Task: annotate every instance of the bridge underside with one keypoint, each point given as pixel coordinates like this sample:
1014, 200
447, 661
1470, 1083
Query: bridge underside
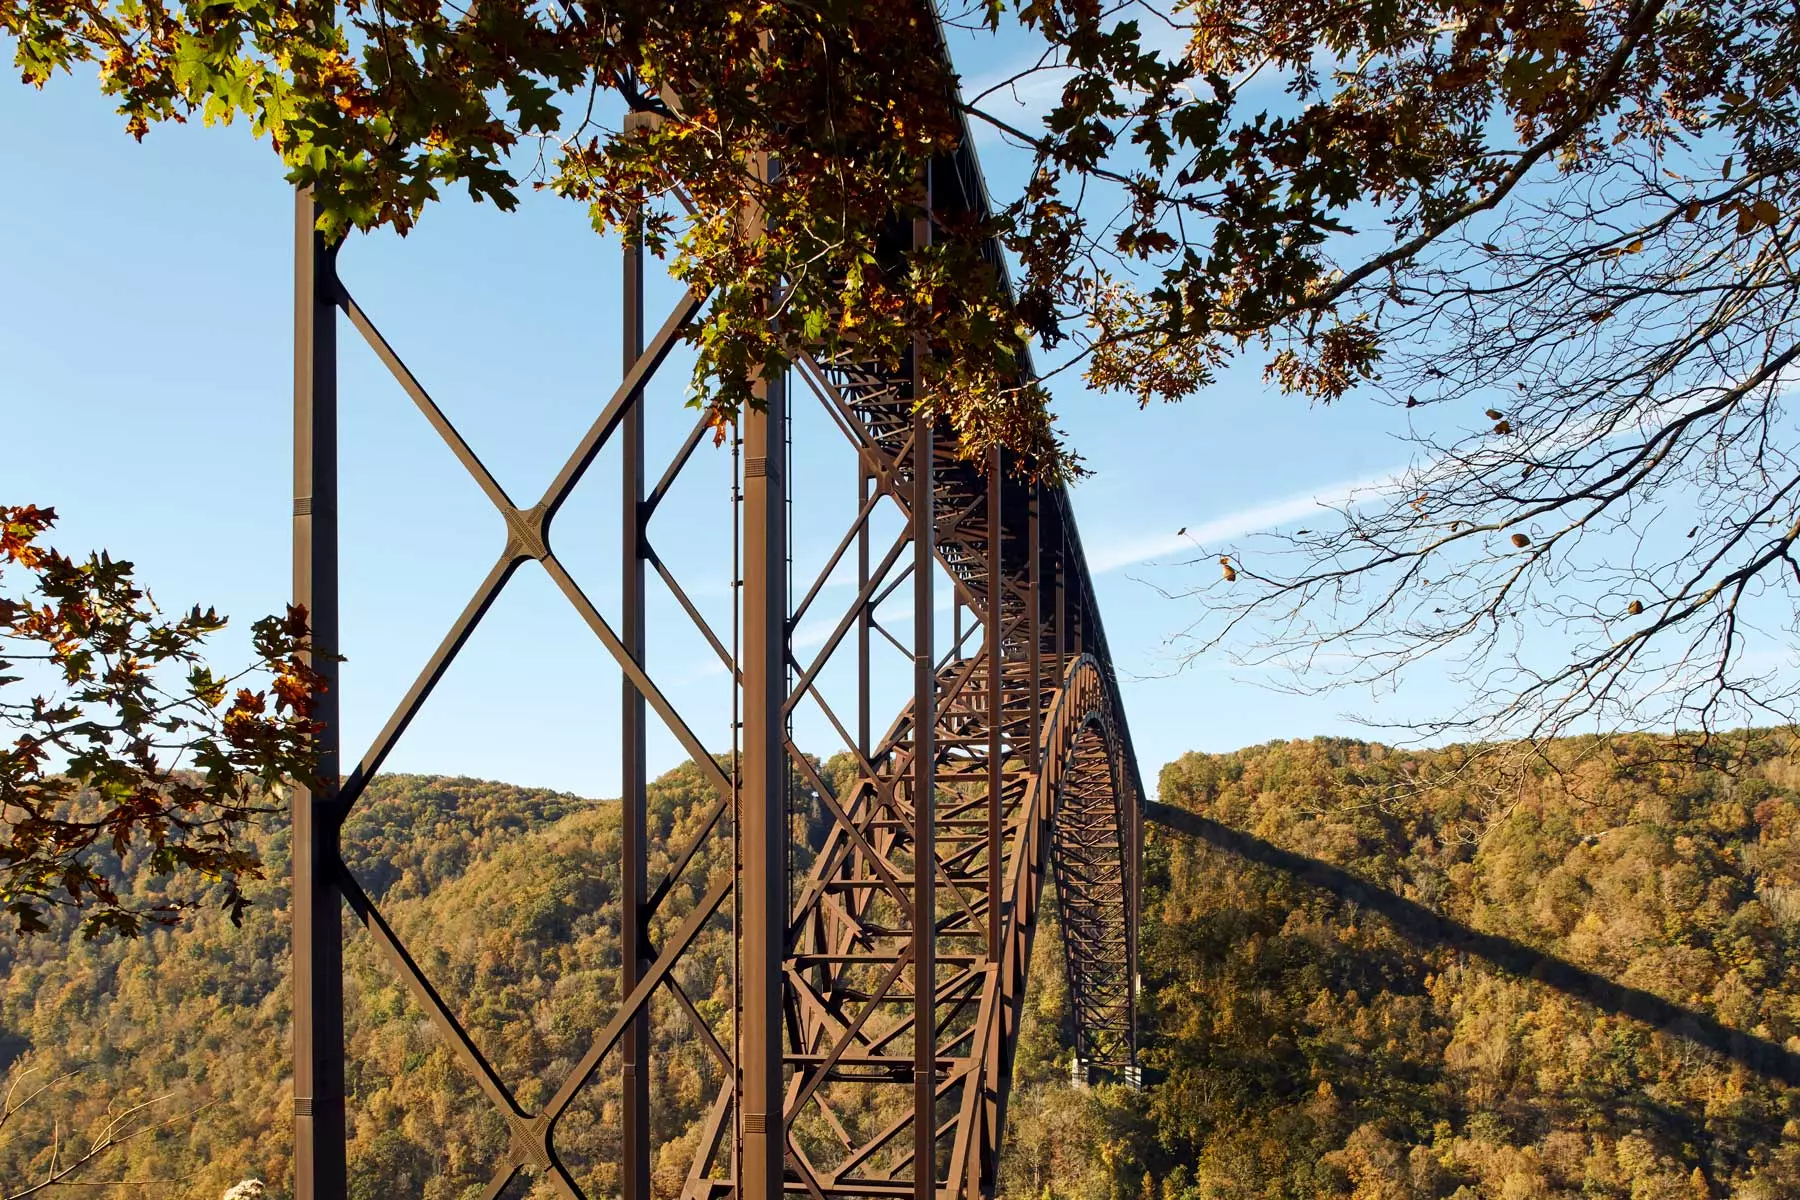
880, 952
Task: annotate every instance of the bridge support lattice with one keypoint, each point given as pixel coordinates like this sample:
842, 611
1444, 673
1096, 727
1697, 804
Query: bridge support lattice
881, 959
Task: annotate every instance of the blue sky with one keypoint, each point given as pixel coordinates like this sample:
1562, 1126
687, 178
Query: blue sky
145, 383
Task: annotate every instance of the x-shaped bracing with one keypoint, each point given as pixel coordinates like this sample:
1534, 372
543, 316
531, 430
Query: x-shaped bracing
528, 538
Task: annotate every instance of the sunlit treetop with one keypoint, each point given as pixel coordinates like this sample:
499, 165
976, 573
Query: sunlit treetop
1242, 141
1287, 165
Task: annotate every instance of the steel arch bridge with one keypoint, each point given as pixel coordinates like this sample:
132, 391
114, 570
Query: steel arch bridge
880, 973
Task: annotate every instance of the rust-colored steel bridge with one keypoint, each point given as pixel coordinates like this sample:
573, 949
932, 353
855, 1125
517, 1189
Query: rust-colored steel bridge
880, 962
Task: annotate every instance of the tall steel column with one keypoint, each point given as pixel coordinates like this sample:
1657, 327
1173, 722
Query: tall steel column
634, 956
1034, 638
318, 937
994, 620
762, 791
924, 773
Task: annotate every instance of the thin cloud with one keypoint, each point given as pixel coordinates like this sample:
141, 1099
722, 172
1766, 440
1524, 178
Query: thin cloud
1113, 553
1130, 551
1025, 88
1035, 94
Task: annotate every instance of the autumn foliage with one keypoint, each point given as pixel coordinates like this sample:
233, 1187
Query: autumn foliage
1302, 1044
123, 741
1211, 177
1299, 1045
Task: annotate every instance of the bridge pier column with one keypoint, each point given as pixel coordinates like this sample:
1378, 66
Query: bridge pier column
762, 793
995, 636
634, 958
1035, 629
924, 776
318, 932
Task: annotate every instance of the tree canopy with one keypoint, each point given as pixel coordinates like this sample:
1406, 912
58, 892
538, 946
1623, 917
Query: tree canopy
1558, 228
128, 743
1299, 1043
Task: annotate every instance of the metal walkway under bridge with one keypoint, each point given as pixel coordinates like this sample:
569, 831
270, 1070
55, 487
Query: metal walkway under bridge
880, 961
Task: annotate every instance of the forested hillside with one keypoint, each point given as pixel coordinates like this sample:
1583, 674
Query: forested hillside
507, 896
1302, 1044
1337, 1004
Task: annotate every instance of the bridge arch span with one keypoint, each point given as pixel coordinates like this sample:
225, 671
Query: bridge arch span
878, 978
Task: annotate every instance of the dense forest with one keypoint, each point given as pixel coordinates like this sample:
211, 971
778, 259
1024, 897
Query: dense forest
1368, 973
1385, 975
507, 897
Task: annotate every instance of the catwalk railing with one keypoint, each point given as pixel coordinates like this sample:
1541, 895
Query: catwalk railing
881, 960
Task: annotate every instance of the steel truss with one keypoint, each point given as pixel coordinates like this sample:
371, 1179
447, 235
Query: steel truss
880, 982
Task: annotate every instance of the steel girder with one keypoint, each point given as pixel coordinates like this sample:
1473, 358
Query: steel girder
1028, 769
880, 980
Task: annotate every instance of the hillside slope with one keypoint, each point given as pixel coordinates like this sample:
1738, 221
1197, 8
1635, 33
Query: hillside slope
1337, 1000
507, 896
1472, 1025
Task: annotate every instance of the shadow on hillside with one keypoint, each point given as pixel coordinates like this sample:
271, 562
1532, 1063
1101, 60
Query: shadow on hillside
1426, 927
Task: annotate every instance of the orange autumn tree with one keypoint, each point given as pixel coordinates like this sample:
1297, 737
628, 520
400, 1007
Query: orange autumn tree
123, 748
